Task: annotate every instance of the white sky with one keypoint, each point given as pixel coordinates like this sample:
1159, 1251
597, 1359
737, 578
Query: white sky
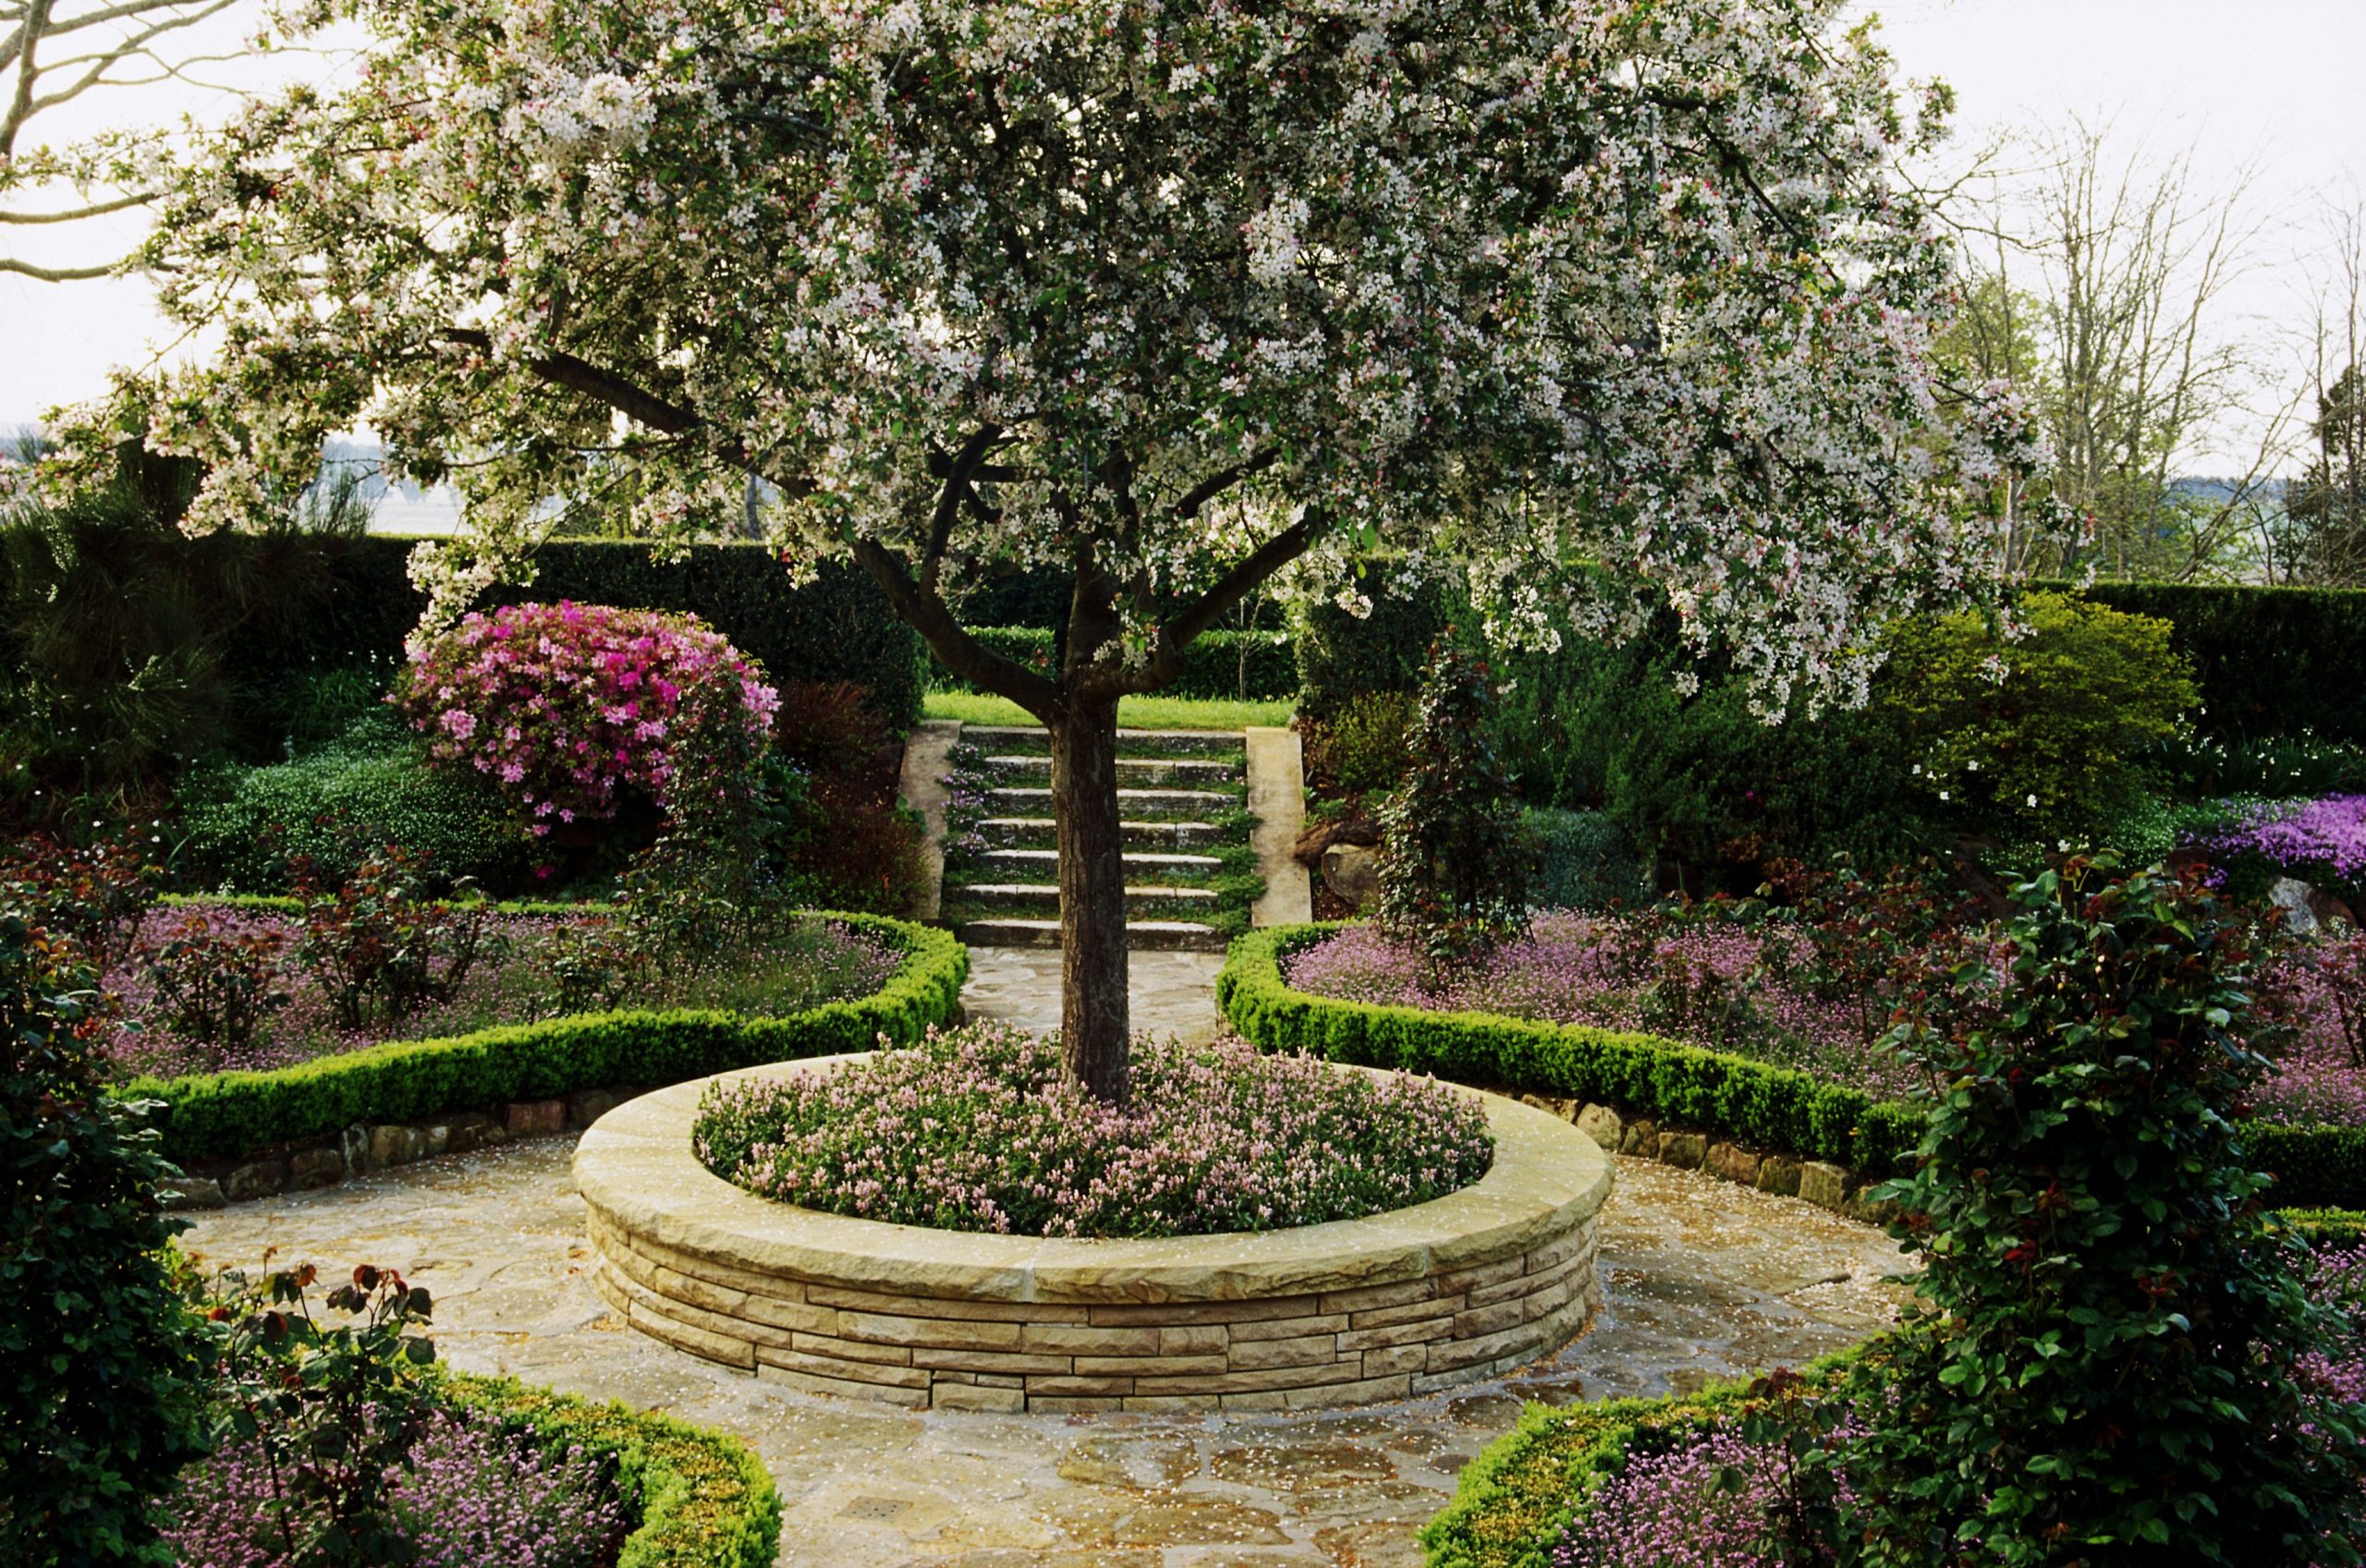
2271, 81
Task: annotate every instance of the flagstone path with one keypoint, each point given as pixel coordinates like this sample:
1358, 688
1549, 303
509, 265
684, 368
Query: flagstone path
1705, 1279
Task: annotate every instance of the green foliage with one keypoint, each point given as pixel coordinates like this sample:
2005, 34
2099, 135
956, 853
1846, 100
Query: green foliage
706, 1500
374, 787
1364, 746
380, 946
1584, 860
1342, 654
333, 1405
1453, 859
218, 1115
2268, 660
101, 1366
2055, 746
2110, 1358
2278, 767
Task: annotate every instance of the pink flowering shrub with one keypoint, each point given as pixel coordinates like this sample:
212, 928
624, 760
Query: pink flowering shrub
984, 1129
567, 706
1702, 1503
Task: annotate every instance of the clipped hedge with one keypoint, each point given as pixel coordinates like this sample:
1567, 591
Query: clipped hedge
838, 628
1772, 1107
2269, 661
706, 1500
1216, 665
216, 1115
1752, 1101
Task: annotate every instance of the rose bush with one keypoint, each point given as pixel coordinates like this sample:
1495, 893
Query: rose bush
567, 706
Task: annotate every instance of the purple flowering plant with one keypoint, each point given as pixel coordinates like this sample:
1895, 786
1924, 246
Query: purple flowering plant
567, 705
983, 1128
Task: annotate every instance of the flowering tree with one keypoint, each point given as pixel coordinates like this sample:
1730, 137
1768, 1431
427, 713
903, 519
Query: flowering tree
1610, 302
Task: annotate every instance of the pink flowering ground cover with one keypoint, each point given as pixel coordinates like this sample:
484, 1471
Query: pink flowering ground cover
814, 962
470, 1495
1720, 986
982, 1129
567, 705
1712, 1498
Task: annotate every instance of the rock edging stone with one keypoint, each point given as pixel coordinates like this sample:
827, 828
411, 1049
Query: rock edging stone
1457, 1290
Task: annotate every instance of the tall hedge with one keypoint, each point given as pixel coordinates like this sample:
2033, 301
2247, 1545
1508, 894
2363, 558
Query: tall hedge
1255, 666
2269, 661
838, 628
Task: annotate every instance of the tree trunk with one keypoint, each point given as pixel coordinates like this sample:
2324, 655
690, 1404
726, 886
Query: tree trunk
1093, 1021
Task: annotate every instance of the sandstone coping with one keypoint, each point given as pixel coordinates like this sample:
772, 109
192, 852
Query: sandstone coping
1456, 1290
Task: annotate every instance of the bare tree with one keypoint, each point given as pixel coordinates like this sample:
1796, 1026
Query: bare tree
2100, 282
91, 54
2321, 534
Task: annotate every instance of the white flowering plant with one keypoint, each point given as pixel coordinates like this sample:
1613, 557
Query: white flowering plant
1608, 304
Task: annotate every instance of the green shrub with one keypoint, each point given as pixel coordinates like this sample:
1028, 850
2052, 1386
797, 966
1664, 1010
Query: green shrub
2055, 747
1364, 746
2113, 1346
374, 787
101, 1366
1341, 654
1584, 860
706, 1500
215, 1115
1247, 665
1453, 860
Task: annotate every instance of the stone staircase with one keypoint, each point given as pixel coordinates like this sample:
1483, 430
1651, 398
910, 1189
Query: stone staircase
1183, 795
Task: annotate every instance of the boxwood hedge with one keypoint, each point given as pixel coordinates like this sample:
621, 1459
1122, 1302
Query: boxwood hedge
215, 1115
705, 1498
1750, 1101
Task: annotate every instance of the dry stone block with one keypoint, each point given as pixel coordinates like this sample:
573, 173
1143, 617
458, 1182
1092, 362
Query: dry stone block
1641, 1138
314, 1168
472, 1130
534, 1118
256, 1178
396, 1144
1683, 1151
964, 1397
1604, 1126
197, 1191
585, 1106
1824, 1184
1779, 1173
1733, 1164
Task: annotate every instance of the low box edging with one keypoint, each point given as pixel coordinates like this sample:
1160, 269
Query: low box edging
706, 1499
1735, 1097
222, 1115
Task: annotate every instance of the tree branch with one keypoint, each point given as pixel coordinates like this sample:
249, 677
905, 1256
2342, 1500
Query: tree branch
1167, 659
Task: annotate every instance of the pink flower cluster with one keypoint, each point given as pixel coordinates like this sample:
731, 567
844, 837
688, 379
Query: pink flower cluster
567, 704
1703, 1503
2329, 832
983, 1129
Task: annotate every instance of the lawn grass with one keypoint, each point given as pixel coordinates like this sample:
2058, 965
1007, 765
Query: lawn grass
1133, 713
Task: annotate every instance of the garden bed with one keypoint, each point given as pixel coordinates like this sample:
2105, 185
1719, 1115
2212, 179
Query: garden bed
330, 1105
1429, 1296
1766, 1106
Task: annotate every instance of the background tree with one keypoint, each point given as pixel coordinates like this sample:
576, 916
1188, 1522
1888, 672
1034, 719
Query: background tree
1615, 308
2327, 502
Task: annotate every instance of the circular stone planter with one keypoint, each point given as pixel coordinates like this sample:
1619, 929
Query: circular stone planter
1462, 1288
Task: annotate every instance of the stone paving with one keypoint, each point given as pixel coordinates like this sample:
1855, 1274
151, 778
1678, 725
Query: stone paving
1704, 1279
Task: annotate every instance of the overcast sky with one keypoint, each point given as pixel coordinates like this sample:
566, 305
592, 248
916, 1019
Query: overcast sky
2275, 82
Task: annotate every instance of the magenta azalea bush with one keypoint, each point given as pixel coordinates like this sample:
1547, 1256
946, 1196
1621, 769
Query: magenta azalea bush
469, 1494
983, 1128
567, 705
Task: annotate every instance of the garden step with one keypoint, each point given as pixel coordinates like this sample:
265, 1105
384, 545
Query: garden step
1130, 743
1140, 935
1023, 860
1138, 897
1034, 802
1132, 770
1016, 830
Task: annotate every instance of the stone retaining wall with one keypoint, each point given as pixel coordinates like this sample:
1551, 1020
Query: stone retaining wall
1462, 1289
1819, 1181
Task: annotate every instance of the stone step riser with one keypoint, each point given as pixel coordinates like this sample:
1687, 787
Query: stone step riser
1018, 833
1142, 936
1043, 899
1135, 805
1152, 864
1228, 744
1136, 771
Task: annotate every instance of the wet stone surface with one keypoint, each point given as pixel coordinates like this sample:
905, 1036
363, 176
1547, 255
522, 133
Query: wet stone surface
1704, 1279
